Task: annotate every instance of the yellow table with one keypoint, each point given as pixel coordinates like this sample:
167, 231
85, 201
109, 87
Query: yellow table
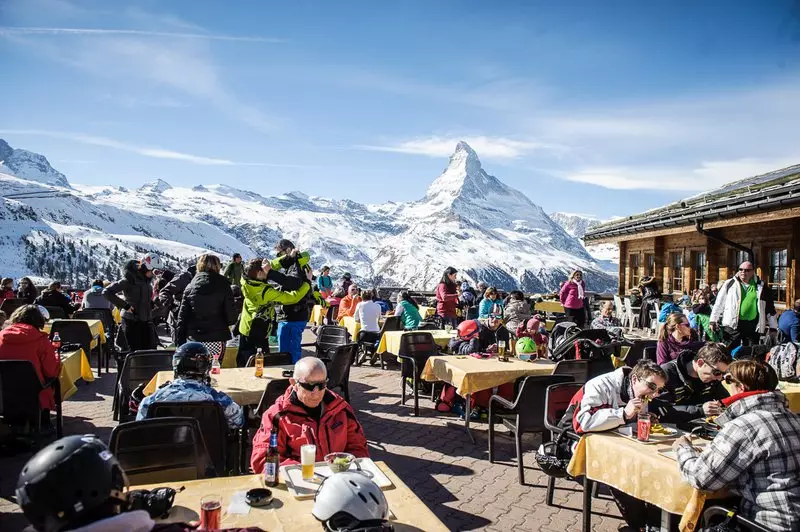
95, 326
390, 341
241, 384
792, 393
318, 315
353, 327
427, 312
549, 306
469, 374
643, 473
286, 513
74, 366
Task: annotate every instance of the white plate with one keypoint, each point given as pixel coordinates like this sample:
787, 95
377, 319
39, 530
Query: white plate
305, 489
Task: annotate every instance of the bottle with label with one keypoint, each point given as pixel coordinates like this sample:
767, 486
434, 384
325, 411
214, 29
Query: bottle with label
215, 367
259, 363
643, 424
272, 462
56, 341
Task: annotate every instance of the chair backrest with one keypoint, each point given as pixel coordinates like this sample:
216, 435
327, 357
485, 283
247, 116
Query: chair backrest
330, 337
339, 366
168, 449
19, 390
139, 367
275, 388
73, 332
557, 401
579, 369
10, 305
392, 323
650, 353
628, 306
213, 426
530, 403
56, 312
636, 352
271, 359
618, 307
102, 314
417, 345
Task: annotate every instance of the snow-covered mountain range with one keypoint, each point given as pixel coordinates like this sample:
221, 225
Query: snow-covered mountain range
467, 219
576, 225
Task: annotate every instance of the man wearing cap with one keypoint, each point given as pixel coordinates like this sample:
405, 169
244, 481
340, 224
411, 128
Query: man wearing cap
477, 337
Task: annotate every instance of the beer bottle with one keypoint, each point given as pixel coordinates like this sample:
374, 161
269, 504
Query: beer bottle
272, 462
259, 363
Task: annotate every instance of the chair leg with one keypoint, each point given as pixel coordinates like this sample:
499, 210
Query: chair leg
551, 490
416, 395
491, 434
402, 388
520, 465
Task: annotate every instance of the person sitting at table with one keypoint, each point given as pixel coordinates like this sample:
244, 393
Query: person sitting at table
606, 320
93, 297
789, 322
309, 413
535, 329
53, 296
754, 455
517, 311
674, 337
368, 314
491, 299
476, 337
27, 291
609, 401
408, 309
694, 382
347, 306
700, 318
24, 340
192, 366
7, 289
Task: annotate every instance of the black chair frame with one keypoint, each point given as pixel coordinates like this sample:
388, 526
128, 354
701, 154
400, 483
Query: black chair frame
415, 350
19, 393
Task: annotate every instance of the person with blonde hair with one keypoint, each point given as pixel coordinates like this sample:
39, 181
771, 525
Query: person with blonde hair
207, 310
675, 336
754, 455
573, 297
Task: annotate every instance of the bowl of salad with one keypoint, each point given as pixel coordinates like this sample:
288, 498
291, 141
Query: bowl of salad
339, 462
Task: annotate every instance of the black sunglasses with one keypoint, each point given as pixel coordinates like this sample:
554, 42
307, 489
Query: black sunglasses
313, 386
745, 269
654, 387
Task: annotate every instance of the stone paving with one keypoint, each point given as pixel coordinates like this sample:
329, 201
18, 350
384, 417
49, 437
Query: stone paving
432, 454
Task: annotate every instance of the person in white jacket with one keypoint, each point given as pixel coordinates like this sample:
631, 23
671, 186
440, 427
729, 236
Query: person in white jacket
745, 304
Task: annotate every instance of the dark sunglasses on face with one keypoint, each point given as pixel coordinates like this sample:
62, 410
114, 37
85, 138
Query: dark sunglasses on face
728, 379
313, 386
653, 387
745, 269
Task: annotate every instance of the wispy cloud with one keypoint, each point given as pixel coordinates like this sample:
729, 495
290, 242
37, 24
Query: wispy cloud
28, 30
145, 151
489, 147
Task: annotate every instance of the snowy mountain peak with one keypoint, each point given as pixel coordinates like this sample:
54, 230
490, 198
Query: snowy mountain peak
159, 186
30, 166
464, 176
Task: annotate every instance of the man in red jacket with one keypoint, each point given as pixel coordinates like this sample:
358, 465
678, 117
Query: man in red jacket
309, 413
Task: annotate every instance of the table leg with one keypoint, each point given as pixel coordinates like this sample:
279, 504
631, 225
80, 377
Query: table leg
587, 504
467, 413
242, 440
664, 521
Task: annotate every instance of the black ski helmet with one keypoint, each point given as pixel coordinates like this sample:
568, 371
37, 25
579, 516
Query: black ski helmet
191, 360
71, 482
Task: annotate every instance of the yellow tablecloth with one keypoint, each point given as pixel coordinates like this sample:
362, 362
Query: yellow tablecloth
74, 366
638, 470
353, 327
117, 315
95, 326
469, 374
241, 384
317, 315
792, 393
286, 513
390, 341
229, 360
549, 306
426, 312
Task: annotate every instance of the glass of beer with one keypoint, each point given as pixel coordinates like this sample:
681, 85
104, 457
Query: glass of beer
308, 454
501, 351
210, 512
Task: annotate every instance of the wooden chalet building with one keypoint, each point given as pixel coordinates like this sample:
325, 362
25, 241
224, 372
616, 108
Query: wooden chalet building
703, 239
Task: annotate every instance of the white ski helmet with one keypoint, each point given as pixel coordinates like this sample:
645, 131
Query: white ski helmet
152, 261
350, 501
45, 312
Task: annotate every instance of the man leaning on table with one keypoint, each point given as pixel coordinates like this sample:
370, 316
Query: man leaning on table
609, 401
309, 413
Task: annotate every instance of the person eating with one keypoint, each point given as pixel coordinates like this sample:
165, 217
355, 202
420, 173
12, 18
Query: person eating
694, 382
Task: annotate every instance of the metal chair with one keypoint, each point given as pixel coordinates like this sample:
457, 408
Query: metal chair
19, 394
138, 368
578, 369
167, 449
271, 359
556, 402
78, 332
415, 350
339, 368
213, 426
10, 305
329, 337
105, 316
368, 348
56, 313
632, 319
526, 414
650, 353
715, 514
637, 351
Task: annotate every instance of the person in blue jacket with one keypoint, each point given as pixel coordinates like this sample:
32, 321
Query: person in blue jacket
789, 322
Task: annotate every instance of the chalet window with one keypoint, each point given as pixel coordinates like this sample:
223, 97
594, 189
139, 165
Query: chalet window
676, 267
650, 264
778, 262
738, 258
633, 264
699, 269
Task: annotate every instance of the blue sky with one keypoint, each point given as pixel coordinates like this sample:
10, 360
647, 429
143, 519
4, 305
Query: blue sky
604, 108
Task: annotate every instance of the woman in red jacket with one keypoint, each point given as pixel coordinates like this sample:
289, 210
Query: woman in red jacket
308, 413
447, 297
24, 340
573, 297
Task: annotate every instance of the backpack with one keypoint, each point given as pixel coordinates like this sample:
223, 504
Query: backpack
560, 332
447, 398
783, 359
666, 310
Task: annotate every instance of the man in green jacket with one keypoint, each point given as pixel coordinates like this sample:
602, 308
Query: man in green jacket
234, 269
260, 299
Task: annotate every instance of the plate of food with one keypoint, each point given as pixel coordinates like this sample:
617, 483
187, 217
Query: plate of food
659, 431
